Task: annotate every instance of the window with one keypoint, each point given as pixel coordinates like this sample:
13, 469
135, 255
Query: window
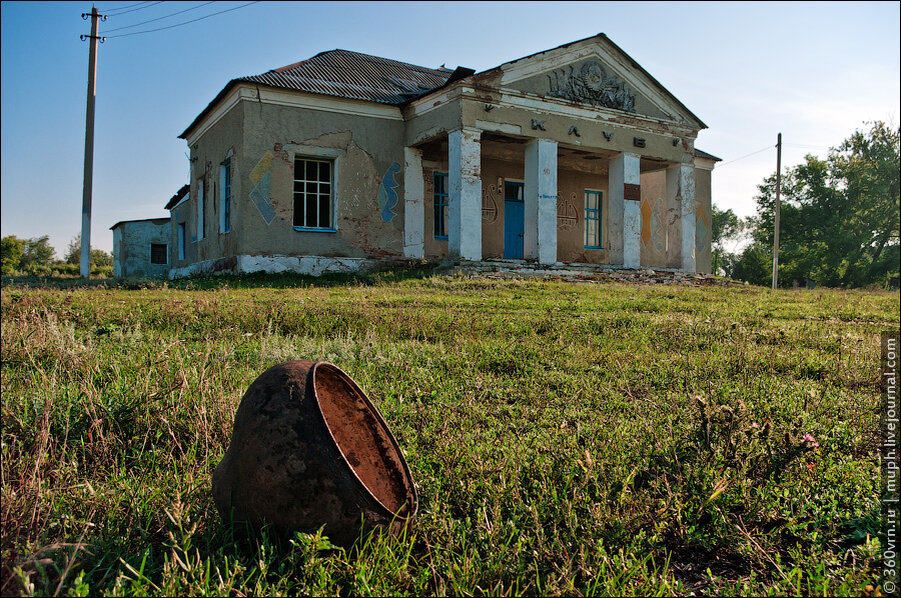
439, 199
225, 196
594, 201
181, 240
159, 253
201, 233
313, 194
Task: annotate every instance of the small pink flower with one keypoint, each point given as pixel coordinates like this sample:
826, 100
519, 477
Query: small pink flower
813, 441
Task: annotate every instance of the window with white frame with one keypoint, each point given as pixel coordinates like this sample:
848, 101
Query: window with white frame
313, 194
225, 196
594, 202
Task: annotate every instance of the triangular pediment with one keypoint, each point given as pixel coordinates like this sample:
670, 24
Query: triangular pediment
596, 73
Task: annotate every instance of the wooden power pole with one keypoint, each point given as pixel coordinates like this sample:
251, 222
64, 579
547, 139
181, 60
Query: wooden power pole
89, 145
776, 226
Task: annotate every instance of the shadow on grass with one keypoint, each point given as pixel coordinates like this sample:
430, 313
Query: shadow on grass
283, 280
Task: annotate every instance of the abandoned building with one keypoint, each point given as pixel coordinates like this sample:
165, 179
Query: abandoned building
573, 155
141, 247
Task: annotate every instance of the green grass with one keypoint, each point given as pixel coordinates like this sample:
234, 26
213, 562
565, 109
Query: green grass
565, 438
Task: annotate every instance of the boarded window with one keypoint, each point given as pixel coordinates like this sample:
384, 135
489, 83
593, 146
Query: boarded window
313, 194
439, 199
159, 253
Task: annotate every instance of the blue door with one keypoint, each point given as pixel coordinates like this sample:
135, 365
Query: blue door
514, 220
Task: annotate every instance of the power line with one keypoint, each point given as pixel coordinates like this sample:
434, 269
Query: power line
186, 22
134, 9
159, 18
126, 6
746, 156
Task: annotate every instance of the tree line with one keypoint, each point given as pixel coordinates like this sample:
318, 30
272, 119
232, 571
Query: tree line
36, 257
839, 219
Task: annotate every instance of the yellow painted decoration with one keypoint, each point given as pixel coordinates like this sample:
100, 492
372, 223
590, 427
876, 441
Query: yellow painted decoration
261, 168
645, 221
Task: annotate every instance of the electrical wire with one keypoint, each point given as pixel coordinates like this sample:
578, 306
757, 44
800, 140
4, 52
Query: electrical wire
746, 156
159, 18
125, 6
184, 23
118, 14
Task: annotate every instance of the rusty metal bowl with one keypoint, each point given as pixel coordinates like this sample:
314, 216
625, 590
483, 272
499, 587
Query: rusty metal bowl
309, 449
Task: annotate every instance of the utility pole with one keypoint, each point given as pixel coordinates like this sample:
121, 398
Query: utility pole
778, 191
89, 144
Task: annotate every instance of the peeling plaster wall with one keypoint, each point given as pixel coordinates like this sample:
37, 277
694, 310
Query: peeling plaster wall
365, 150
184, 213
703, 219
494, 173
571, 187
434, 248
131, 247
208, 152
442, 117
655, 242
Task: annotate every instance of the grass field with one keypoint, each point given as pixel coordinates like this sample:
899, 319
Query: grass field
566, 438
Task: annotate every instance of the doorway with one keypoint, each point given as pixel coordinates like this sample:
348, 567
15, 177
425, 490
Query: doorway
514, 220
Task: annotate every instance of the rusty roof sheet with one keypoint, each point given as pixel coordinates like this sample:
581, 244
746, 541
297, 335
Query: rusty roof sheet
346, 74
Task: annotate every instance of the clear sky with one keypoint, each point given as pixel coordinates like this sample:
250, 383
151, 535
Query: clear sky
815, 71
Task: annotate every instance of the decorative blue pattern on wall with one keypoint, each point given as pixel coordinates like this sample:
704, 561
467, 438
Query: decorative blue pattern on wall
260, 196
387, 195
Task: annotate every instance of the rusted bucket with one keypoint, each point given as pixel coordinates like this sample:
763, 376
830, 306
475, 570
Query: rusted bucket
309, 449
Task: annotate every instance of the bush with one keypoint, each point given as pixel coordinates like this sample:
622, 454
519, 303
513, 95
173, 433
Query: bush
754, 266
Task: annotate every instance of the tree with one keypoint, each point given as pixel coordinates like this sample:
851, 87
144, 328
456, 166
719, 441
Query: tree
11, 250
754, 265
99, 258
726, 227
37, 256
73, 251
839, 215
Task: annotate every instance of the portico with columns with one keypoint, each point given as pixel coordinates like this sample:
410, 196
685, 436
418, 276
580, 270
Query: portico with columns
532, 136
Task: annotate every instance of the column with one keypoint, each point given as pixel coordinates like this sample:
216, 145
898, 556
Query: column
680, 188
464, 230
414, 205
625, 202
540, 195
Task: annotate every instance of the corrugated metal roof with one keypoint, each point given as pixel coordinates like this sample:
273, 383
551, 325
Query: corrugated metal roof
346, 74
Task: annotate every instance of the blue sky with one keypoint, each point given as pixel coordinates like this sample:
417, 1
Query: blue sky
814, 71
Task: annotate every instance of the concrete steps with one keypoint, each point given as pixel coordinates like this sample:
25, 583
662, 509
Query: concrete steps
504, 268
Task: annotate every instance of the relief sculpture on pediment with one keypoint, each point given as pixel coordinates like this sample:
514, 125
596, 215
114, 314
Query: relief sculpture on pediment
591, 84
